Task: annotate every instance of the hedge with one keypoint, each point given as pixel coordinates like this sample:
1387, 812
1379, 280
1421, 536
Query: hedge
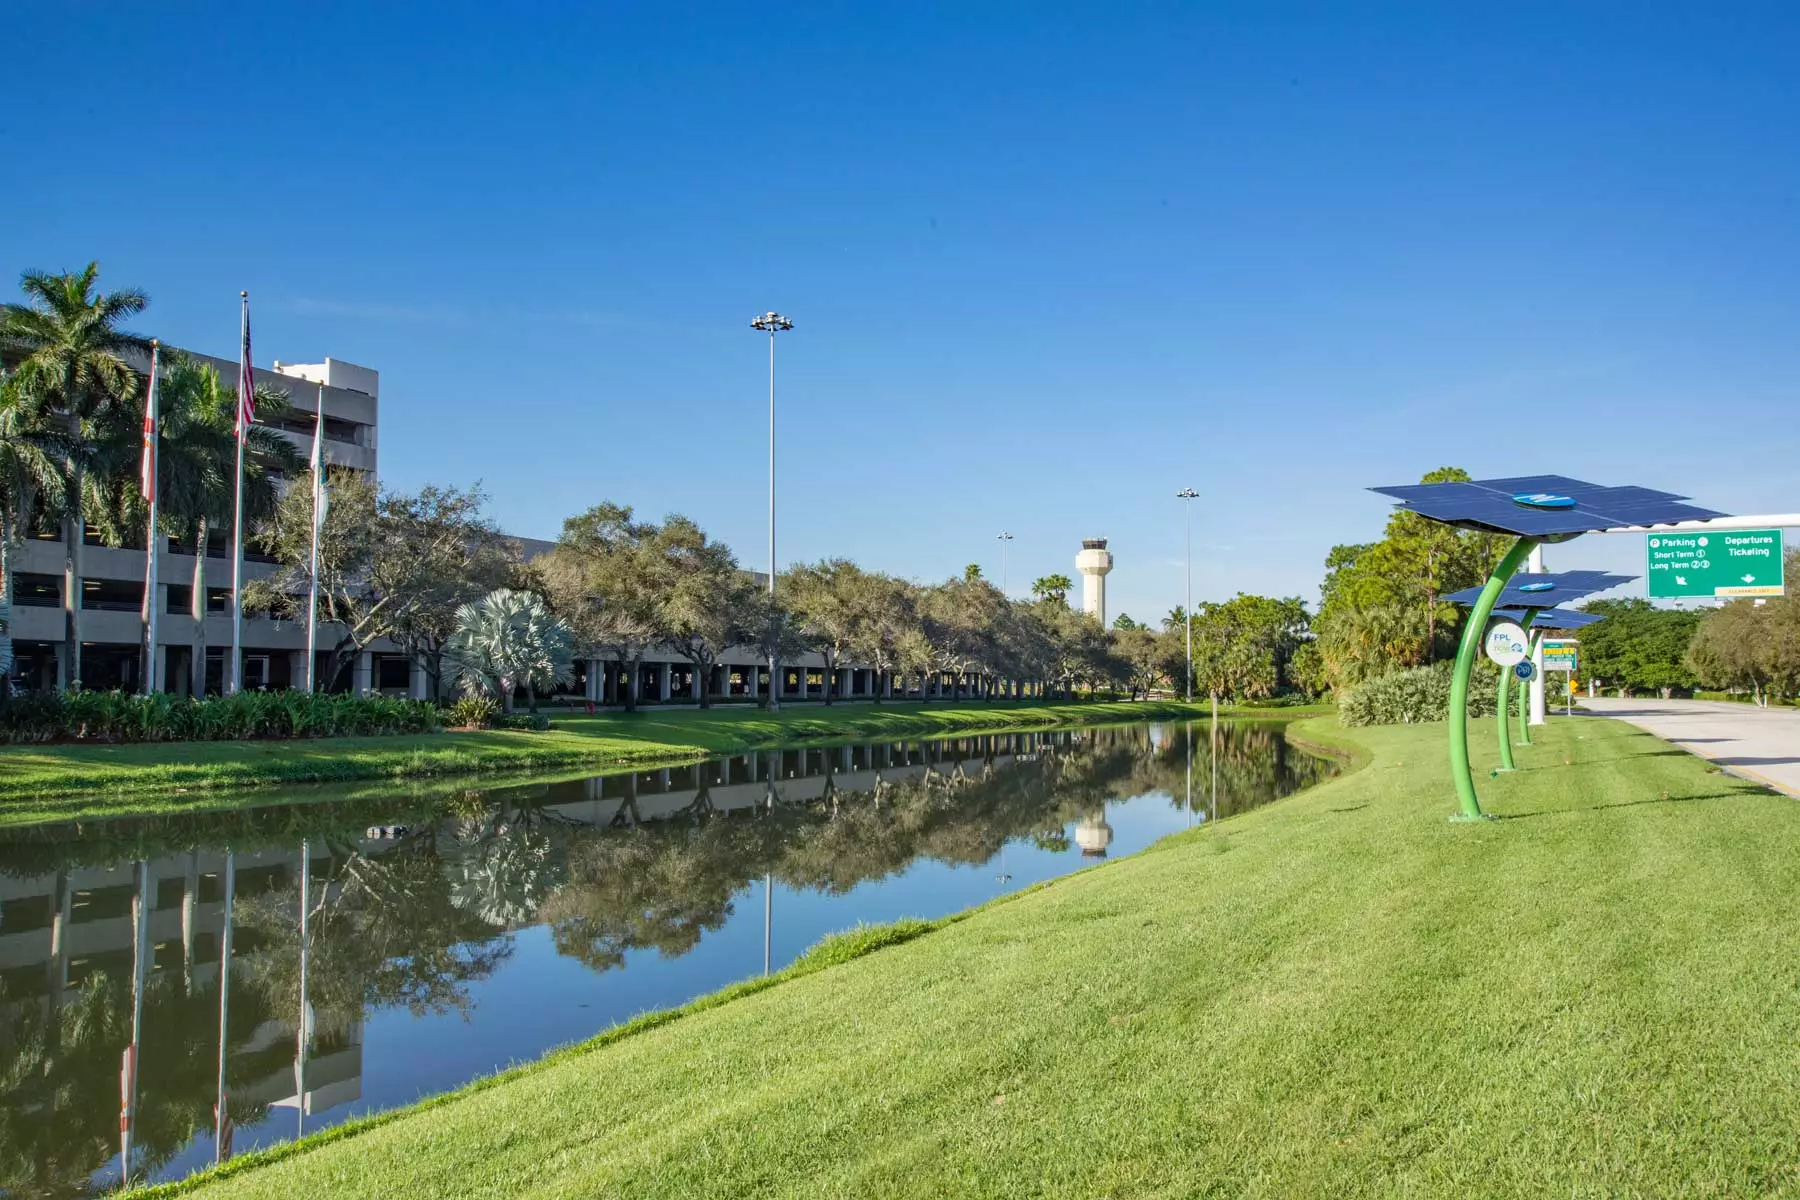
125, 717
1413, 696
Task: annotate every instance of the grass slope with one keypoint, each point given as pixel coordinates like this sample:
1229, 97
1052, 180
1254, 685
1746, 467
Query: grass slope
50, 783
1343, 994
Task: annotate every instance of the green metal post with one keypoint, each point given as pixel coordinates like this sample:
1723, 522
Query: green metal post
1500, 716
1466, 651
1503, 719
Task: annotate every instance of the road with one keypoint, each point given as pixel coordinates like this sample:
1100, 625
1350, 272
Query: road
1758, 743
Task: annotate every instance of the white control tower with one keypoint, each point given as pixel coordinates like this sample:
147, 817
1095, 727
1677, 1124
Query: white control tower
1094, 562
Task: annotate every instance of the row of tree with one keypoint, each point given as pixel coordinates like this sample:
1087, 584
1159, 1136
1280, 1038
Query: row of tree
432, 573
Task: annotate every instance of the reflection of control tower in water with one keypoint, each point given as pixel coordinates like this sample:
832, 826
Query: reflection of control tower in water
1094, 562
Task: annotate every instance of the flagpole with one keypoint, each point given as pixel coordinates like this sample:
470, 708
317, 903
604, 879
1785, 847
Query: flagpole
318, 517
140, 956
305, 1035
147, 485
246, 387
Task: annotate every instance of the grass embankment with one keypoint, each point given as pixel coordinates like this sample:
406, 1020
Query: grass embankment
64, 782
1343, 994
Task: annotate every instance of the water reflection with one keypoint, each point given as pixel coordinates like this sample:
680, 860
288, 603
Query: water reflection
191, 976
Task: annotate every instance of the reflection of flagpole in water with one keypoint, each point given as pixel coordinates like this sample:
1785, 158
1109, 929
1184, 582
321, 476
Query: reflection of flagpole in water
1003, 877
768, 917
1187, 728
222, 1117
303, 1037
1215, 760
140, 919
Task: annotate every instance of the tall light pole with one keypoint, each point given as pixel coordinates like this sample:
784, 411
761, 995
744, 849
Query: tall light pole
1004, 537
1187, 610
772, 323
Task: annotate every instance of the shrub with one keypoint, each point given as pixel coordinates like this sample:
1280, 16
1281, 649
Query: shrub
123, 717
473, 712
531, 722
1416, 695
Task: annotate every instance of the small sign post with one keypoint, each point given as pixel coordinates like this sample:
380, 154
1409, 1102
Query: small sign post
1716, 563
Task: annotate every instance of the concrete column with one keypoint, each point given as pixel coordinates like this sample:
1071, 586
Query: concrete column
751, 687
418, 680
365, 667
886, 684
696, 682
596, 679
662, 682
844, 684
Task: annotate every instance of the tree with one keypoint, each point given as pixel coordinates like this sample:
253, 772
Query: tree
197, 470
958, 619
72, 353
972, 572
704, 604
348, 541
1408, 571
507, 640
1123, 622
439, 550
884, 629
1638, 646
1052, 587
823, 597
601, 579
1145, 653
1243, 646
31, 482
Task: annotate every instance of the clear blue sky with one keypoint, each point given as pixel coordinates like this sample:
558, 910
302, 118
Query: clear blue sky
1048, 263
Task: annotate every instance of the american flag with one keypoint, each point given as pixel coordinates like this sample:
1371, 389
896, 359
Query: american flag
147, 471
246, 382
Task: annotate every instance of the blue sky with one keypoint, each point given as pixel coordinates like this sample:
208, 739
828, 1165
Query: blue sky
1048, 263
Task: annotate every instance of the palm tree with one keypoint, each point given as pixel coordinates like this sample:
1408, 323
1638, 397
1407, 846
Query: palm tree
509, 639
68, 339
197, 464
31, 477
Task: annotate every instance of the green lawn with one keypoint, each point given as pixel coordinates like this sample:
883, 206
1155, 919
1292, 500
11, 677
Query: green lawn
1343, 994
48, 783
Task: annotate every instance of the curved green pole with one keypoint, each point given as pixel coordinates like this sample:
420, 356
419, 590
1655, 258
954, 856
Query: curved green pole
1465, 665
1503, 719
1525, 690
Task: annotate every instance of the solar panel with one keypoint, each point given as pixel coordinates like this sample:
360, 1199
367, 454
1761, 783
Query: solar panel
1546, 590
1543, 506
1550, 618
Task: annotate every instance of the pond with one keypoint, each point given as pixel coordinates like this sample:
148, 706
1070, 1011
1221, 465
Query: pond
373, 952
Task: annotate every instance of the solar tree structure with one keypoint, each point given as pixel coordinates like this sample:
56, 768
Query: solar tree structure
1522, 600
1532, 509
1540, 622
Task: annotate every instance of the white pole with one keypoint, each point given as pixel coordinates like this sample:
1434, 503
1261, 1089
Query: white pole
768, 917
312, 570
233, 664
152, 463
774, 683
1535, 566
1187, 521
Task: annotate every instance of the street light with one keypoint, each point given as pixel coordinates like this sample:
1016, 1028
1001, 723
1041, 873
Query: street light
1188, 607
1004, 537
772, 323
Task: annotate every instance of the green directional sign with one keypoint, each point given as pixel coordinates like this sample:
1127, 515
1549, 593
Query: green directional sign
1560, 654
1722, 562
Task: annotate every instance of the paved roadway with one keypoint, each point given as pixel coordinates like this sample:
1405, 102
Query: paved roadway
1758, 743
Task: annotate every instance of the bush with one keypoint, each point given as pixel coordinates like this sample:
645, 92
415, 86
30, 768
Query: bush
123, 717
474, 712
532, 722
1416, 695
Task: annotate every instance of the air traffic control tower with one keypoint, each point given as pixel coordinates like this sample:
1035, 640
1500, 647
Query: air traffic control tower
1094, 562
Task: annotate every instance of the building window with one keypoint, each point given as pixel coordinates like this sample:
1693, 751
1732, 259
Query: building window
218, 600
393, 672
112, 595
37, 591
181, 599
